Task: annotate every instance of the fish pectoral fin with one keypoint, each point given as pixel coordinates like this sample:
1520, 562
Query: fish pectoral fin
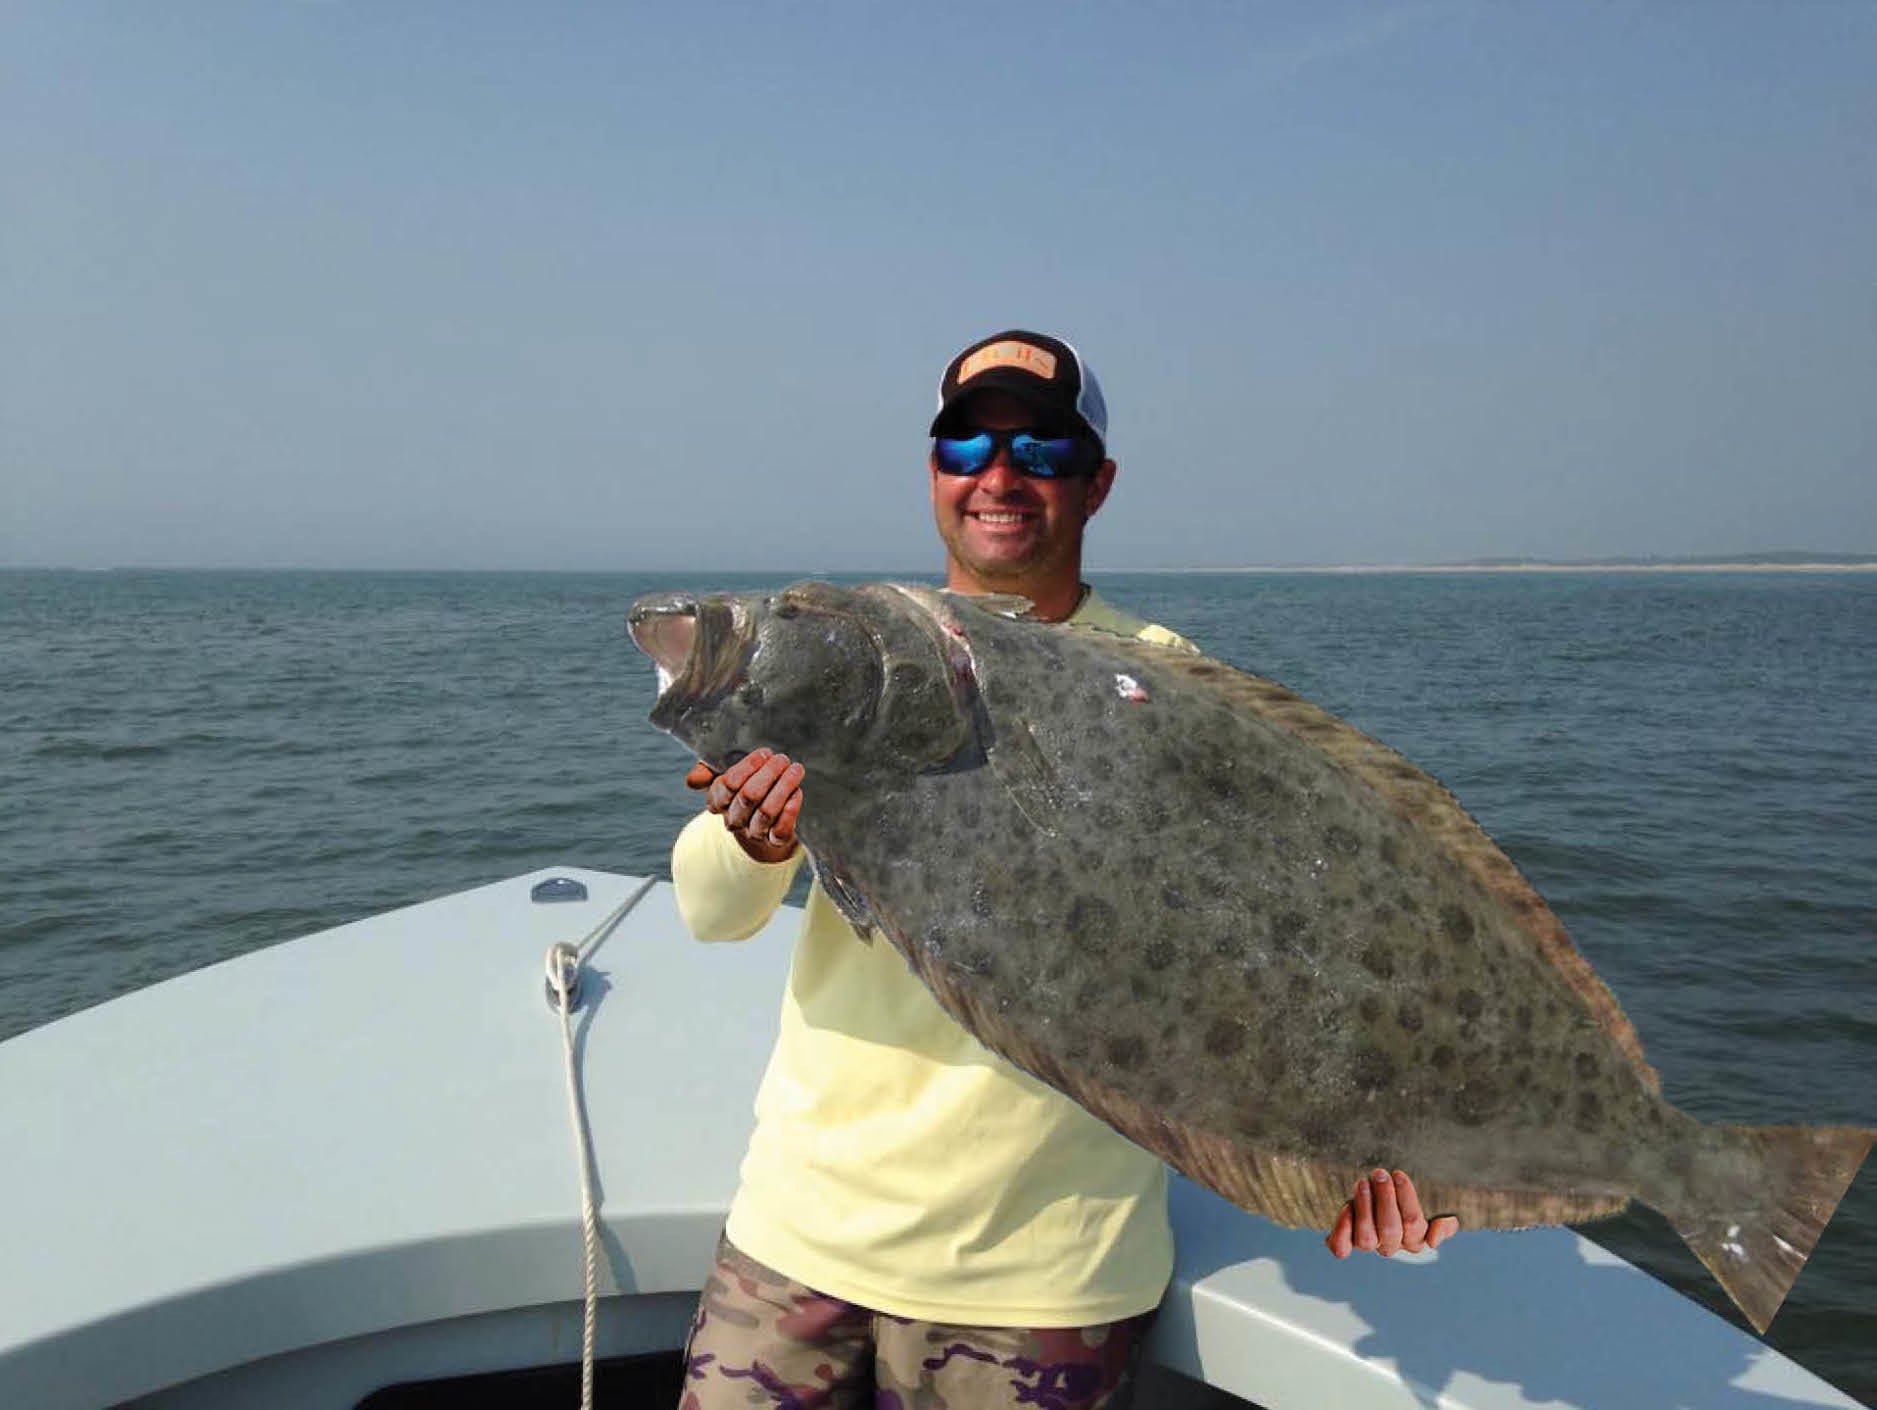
847, 900
1002, 604
1017, 763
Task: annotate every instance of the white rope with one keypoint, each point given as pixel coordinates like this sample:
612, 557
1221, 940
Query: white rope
563, 977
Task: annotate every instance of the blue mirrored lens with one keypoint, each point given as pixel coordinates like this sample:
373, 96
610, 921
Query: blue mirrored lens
1029, 455
1045, 458
966, 455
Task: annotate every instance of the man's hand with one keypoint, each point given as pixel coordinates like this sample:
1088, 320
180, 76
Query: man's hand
758, 797
1385, 1216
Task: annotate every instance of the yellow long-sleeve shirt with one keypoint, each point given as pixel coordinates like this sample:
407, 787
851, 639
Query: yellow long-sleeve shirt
896, 1161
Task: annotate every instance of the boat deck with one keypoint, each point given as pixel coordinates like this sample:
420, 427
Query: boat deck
346, 1161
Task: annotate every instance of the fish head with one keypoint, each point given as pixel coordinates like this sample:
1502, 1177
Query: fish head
800, 671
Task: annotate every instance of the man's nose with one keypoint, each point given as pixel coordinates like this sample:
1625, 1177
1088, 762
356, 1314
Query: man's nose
1000, 477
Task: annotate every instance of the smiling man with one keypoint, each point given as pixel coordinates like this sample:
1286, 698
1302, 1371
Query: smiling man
918, 1222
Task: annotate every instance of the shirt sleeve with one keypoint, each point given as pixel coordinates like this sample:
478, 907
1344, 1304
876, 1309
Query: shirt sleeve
723, 893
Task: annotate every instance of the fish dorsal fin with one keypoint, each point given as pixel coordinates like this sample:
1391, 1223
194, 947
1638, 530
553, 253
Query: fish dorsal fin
1289, 1190
1426, 805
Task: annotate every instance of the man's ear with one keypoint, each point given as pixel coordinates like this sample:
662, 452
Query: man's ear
1098, 486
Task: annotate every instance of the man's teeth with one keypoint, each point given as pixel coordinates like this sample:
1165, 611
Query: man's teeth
1002, 518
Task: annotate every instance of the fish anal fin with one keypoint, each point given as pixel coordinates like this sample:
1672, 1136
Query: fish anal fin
1291, 1190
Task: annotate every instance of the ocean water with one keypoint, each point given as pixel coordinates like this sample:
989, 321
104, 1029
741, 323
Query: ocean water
194, 765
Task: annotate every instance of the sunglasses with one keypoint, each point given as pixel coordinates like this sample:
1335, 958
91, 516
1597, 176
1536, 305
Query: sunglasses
1042, 458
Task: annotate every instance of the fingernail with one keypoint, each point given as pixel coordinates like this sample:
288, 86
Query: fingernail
1380, 1177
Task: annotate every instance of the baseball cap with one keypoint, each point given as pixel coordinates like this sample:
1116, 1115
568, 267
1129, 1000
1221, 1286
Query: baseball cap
1044, 373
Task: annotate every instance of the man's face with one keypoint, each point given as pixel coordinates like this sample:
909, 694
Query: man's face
1004, 531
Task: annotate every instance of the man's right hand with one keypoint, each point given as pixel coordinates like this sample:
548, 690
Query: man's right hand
759, 798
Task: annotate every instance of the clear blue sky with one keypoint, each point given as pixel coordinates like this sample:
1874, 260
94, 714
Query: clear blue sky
669, 286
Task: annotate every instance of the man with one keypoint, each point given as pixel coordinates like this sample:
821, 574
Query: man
916, 1217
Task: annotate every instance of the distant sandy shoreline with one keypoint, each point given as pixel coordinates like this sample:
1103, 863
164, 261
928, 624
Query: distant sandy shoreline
1458, 568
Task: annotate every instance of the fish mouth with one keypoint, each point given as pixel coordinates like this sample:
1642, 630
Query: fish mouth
699, 648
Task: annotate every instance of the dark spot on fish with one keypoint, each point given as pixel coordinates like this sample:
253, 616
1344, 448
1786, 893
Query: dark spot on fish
1098, 765
1377, 960
1224, 1037
1373, 1070
1469, 1003
1391, 852
1218, 781
1409, 1017
1456, 924
1141, 987
1584, 1065
1341, 840
1320, 1130
1271, 1066
1204, 670
1442, 1057
1287, 927
1091, 921
1589, 1111
1522, 1016
1159, 953
1125, 1051
981, 906
1369, 1007
1162, 1093
1090, 994
1299, 983
1173, 898
1474, 1103
934, 938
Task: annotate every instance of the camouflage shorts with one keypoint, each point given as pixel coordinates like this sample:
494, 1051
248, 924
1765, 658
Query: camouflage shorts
760, 1339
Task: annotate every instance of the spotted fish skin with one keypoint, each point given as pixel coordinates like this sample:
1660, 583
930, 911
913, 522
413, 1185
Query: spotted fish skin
1244, 934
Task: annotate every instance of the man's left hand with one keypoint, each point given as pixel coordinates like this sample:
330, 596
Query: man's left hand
1384, 1216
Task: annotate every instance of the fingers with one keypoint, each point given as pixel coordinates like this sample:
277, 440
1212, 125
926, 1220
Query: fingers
758, 802
1341, 1233
1384, 1216
1387, 1214
1363, 1205
759, 798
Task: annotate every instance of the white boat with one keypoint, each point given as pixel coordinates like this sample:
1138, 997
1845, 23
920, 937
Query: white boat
342, 1172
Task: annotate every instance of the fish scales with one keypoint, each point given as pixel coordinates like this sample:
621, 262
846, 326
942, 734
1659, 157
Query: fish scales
1310, 961
1246, 935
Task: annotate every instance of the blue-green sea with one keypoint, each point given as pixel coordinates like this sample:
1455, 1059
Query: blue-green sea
193, 765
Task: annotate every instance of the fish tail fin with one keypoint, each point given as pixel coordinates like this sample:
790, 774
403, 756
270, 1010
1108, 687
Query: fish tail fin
1758, 1221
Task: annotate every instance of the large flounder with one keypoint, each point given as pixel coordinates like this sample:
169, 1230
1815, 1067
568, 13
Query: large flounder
1246, 935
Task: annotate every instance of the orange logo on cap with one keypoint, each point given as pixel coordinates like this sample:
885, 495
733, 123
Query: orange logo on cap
1008, 354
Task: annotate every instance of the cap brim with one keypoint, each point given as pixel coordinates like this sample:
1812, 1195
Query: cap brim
1013, 383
